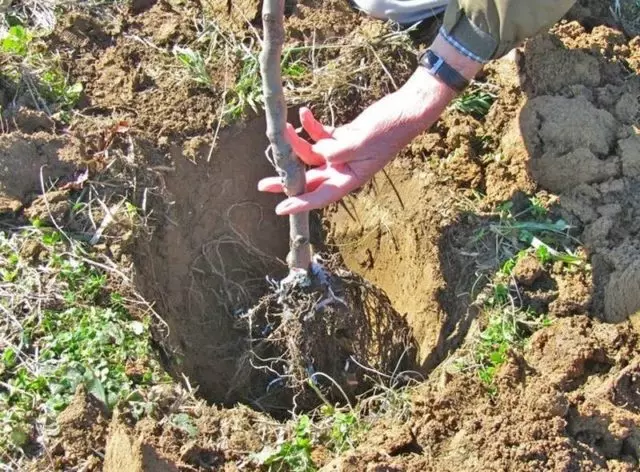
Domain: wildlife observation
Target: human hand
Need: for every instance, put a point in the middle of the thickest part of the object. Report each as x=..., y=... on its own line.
x=348, y=156
x=344, y=157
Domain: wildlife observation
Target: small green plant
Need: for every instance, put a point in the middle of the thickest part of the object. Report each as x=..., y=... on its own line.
x=247, y=91
x=185, y=423
x=476, y=102
x=57, y=89
x=495, y=342
x=40, y=69
x=293, y=455
x=509, y=322
x=537, y=208
x=16, y=41
x=344, y=427
x=194, y=63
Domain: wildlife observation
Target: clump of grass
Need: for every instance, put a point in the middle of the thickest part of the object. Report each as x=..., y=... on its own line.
x=246, y=93
x=216, y=49
x=476, y=101
x=64, y=326
x=508, y=326
x=195, y=64
x=338, y=428
x=31, y=67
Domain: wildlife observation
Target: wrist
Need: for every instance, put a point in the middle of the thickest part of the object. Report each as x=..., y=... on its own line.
x=464, y=65
x=426, y=96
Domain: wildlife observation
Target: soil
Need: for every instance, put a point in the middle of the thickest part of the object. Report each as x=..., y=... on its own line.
x=565, y=121
x=556, y=410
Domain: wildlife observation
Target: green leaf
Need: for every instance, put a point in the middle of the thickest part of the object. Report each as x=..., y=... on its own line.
x=75, y=89
x=185, y=423
x=18, y=436
x=95, y=387
x=16, y=40
x=9, y=357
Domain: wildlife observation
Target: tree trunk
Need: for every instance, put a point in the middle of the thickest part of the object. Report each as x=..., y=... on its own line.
x=289, y=167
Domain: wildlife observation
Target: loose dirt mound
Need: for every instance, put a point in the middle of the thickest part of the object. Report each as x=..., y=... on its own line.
x=546, y=128
x=589, y=125
x=557, y=410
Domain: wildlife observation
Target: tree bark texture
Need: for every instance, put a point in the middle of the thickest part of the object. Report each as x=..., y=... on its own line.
x=289, y=167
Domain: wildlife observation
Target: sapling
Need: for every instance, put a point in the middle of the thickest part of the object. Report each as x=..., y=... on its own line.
x=288, y=166
x=303, y=331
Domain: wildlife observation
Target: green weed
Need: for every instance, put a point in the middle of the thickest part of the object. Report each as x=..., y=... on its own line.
x=292, y=455
x=57, y=88
x=69, y=329
x=16, y=41
x=476, y=102
x=344, y=427
x=246, y=93
x=247, y=90
x=38, y=70
x=195, y=64
x=530, y=233
x=537, y=208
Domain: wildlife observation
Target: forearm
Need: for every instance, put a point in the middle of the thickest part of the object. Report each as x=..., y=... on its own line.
x=399, y=117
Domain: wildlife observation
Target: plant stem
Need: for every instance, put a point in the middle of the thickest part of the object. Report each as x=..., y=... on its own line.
x=289, y=167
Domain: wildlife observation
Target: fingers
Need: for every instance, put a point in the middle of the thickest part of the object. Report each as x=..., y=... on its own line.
x=316, y=130
x=302, y=148
x=327, y=192
x=314, y=178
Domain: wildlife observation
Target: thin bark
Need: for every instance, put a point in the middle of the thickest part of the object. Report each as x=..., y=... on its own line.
x=289, y=167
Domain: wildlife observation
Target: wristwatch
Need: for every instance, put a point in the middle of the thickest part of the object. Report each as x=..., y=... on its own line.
x=438, y=67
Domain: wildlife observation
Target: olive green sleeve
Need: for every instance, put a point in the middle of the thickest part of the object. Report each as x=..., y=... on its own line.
x=488, y=29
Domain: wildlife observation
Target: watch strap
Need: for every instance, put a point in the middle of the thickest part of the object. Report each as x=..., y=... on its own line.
x=438, y=67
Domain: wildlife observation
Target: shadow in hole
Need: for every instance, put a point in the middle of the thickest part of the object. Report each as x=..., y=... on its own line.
x=217, y=238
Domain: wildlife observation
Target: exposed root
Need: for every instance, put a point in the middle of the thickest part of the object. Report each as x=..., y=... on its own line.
x=320, y=339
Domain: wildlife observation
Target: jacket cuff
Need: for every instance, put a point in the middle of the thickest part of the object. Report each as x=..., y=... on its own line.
x=467, y=38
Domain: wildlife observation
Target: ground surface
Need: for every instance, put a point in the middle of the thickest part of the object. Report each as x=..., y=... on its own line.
x=507, y=240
